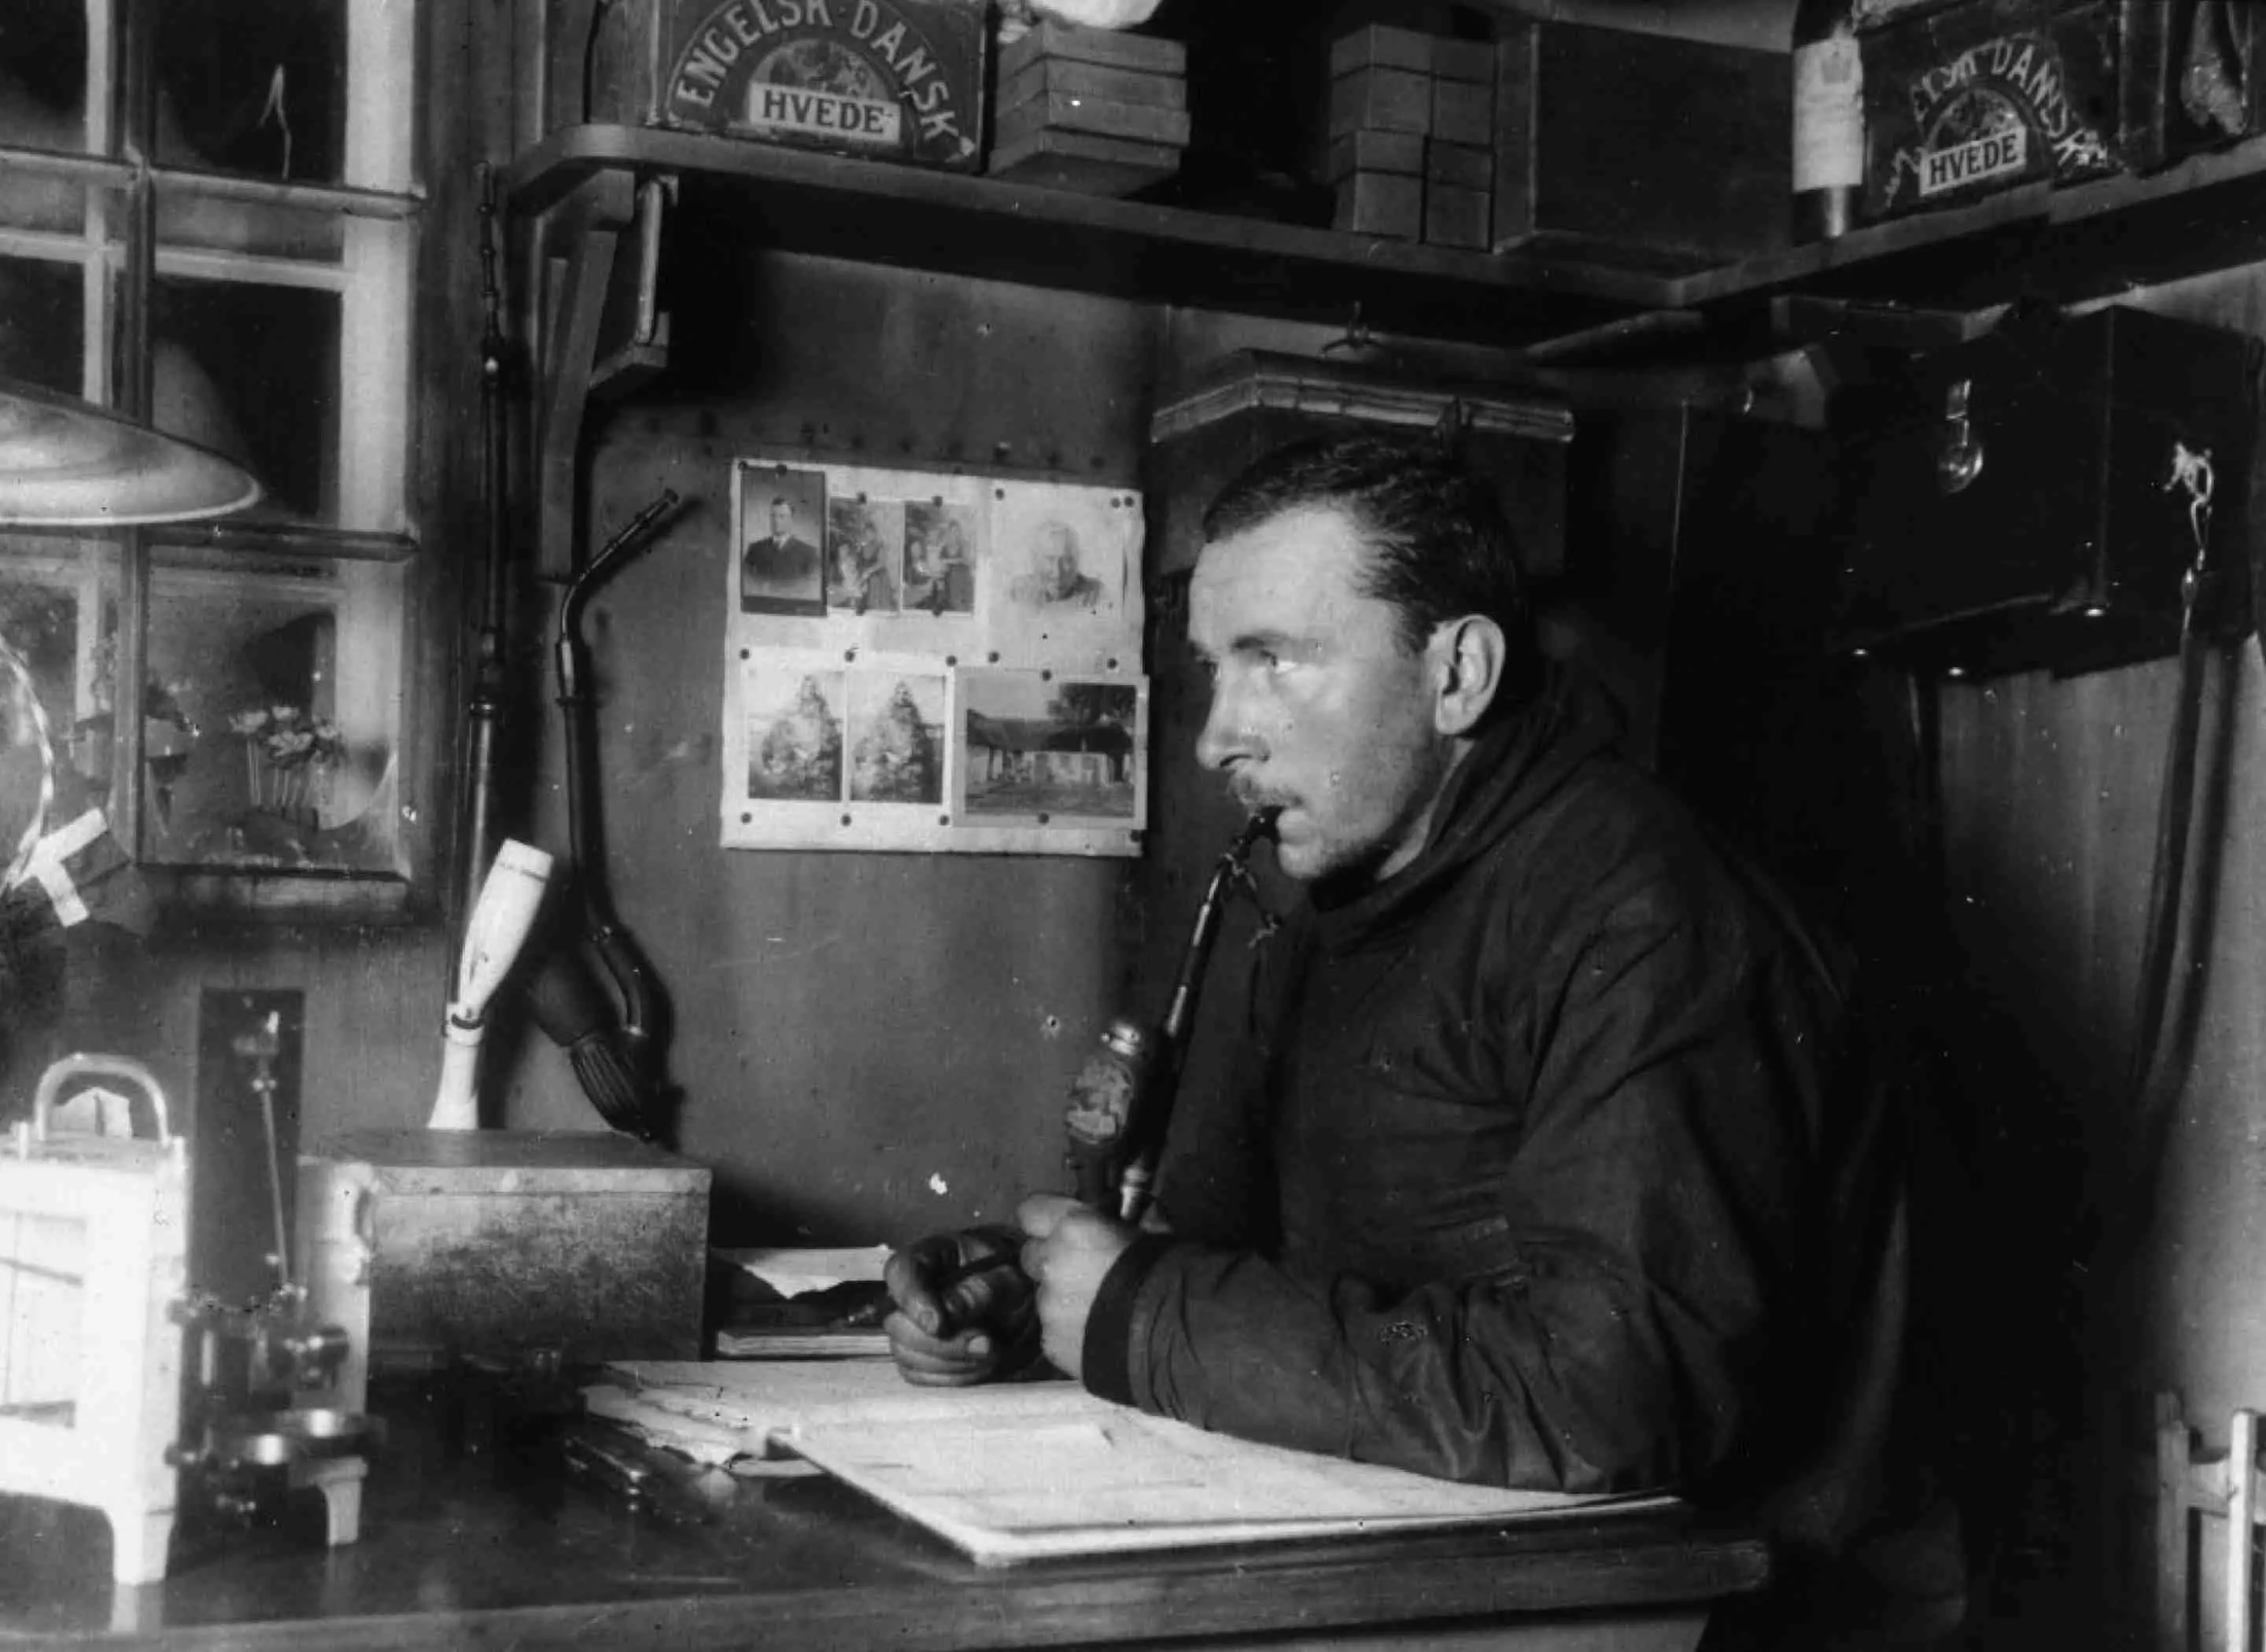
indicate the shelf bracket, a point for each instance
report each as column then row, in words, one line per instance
column 577, row 243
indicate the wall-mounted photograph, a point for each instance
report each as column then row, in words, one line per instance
column 1035, row 747
column 779, row 520
column 794, row 733
column 863, row 539
column 941, row 557
column 897, row 737
column 1068, row 563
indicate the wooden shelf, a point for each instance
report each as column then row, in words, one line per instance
column 954, row 223
column 2087, row 242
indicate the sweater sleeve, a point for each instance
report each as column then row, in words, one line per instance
column 1627, row 1325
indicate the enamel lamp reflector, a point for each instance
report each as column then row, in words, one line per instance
column 67, row 463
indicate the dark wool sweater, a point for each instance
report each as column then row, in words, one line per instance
column 1552, row 1164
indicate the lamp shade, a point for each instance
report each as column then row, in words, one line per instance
column 66, row 462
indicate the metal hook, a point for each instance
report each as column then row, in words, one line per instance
column 1960, row 460
column 2191, row 470
column 1357, row 335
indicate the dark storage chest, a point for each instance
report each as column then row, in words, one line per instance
column 2030, row 499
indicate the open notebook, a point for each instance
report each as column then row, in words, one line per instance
column 1027, row 1471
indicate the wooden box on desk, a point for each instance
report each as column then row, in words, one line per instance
column 494, row 1241
column 1639, row 150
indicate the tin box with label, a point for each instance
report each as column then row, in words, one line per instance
column 1970, row 99
column 894, row 80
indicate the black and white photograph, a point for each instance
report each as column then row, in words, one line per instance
column 862, row 565
column 1064, row 586
column 794, row 720
column 1040, row 747
column 781, row 520
column 897, row 737
column 958, row 825
column 940, row 573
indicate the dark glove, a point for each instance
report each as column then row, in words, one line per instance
column 978, row 1328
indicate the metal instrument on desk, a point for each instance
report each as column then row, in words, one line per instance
column 1123, row 1099
column 279, row 1385
column 96, row 1314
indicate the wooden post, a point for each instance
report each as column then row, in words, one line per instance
column 2171, row 1612
column 2242, row 1515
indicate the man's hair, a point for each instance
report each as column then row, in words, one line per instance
column 1439, row 548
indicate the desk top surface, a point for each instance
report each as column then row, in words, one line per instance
column 472, row 1535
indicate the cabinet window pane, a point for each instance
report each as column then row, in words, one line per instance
column 251, row 371
column 188, row 217
column 254, row 87
column 268, row 741
column 39, row 619
column 42, row 307
column 43, row 74
column 46, row 615
column 33, row 200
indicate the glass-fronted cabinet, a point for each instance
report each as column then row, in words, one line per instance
column 207, row 220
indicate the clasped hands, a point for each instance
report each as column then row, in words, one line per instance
column 997, row 1322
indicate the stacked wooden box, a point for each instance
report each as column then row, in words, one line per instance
column 1093, row 110
column 1412, row 135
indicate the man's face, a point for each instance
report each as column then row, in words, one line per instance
column 782, row 521
column 1057, row 564
column 1316, row 703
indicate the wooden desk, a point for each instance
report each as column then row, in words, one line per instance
column 465, row 1547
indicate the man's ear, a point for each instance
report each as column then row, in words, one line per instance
column 1467, row 663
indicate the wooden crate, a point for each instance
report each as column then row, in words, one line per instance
column 496, row 1241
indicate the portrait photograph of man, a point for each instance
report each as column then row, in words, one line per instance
column 1054, row 577
column 1063, row 566
column 781, row 515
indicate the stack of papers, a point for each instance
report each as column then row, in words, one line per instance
column 1025, row 1471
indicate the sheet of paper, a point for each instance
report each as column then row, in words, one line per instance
column 1015, row 1472
column 791, row 1270
column 1009, row 1490
column 776, row 1400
